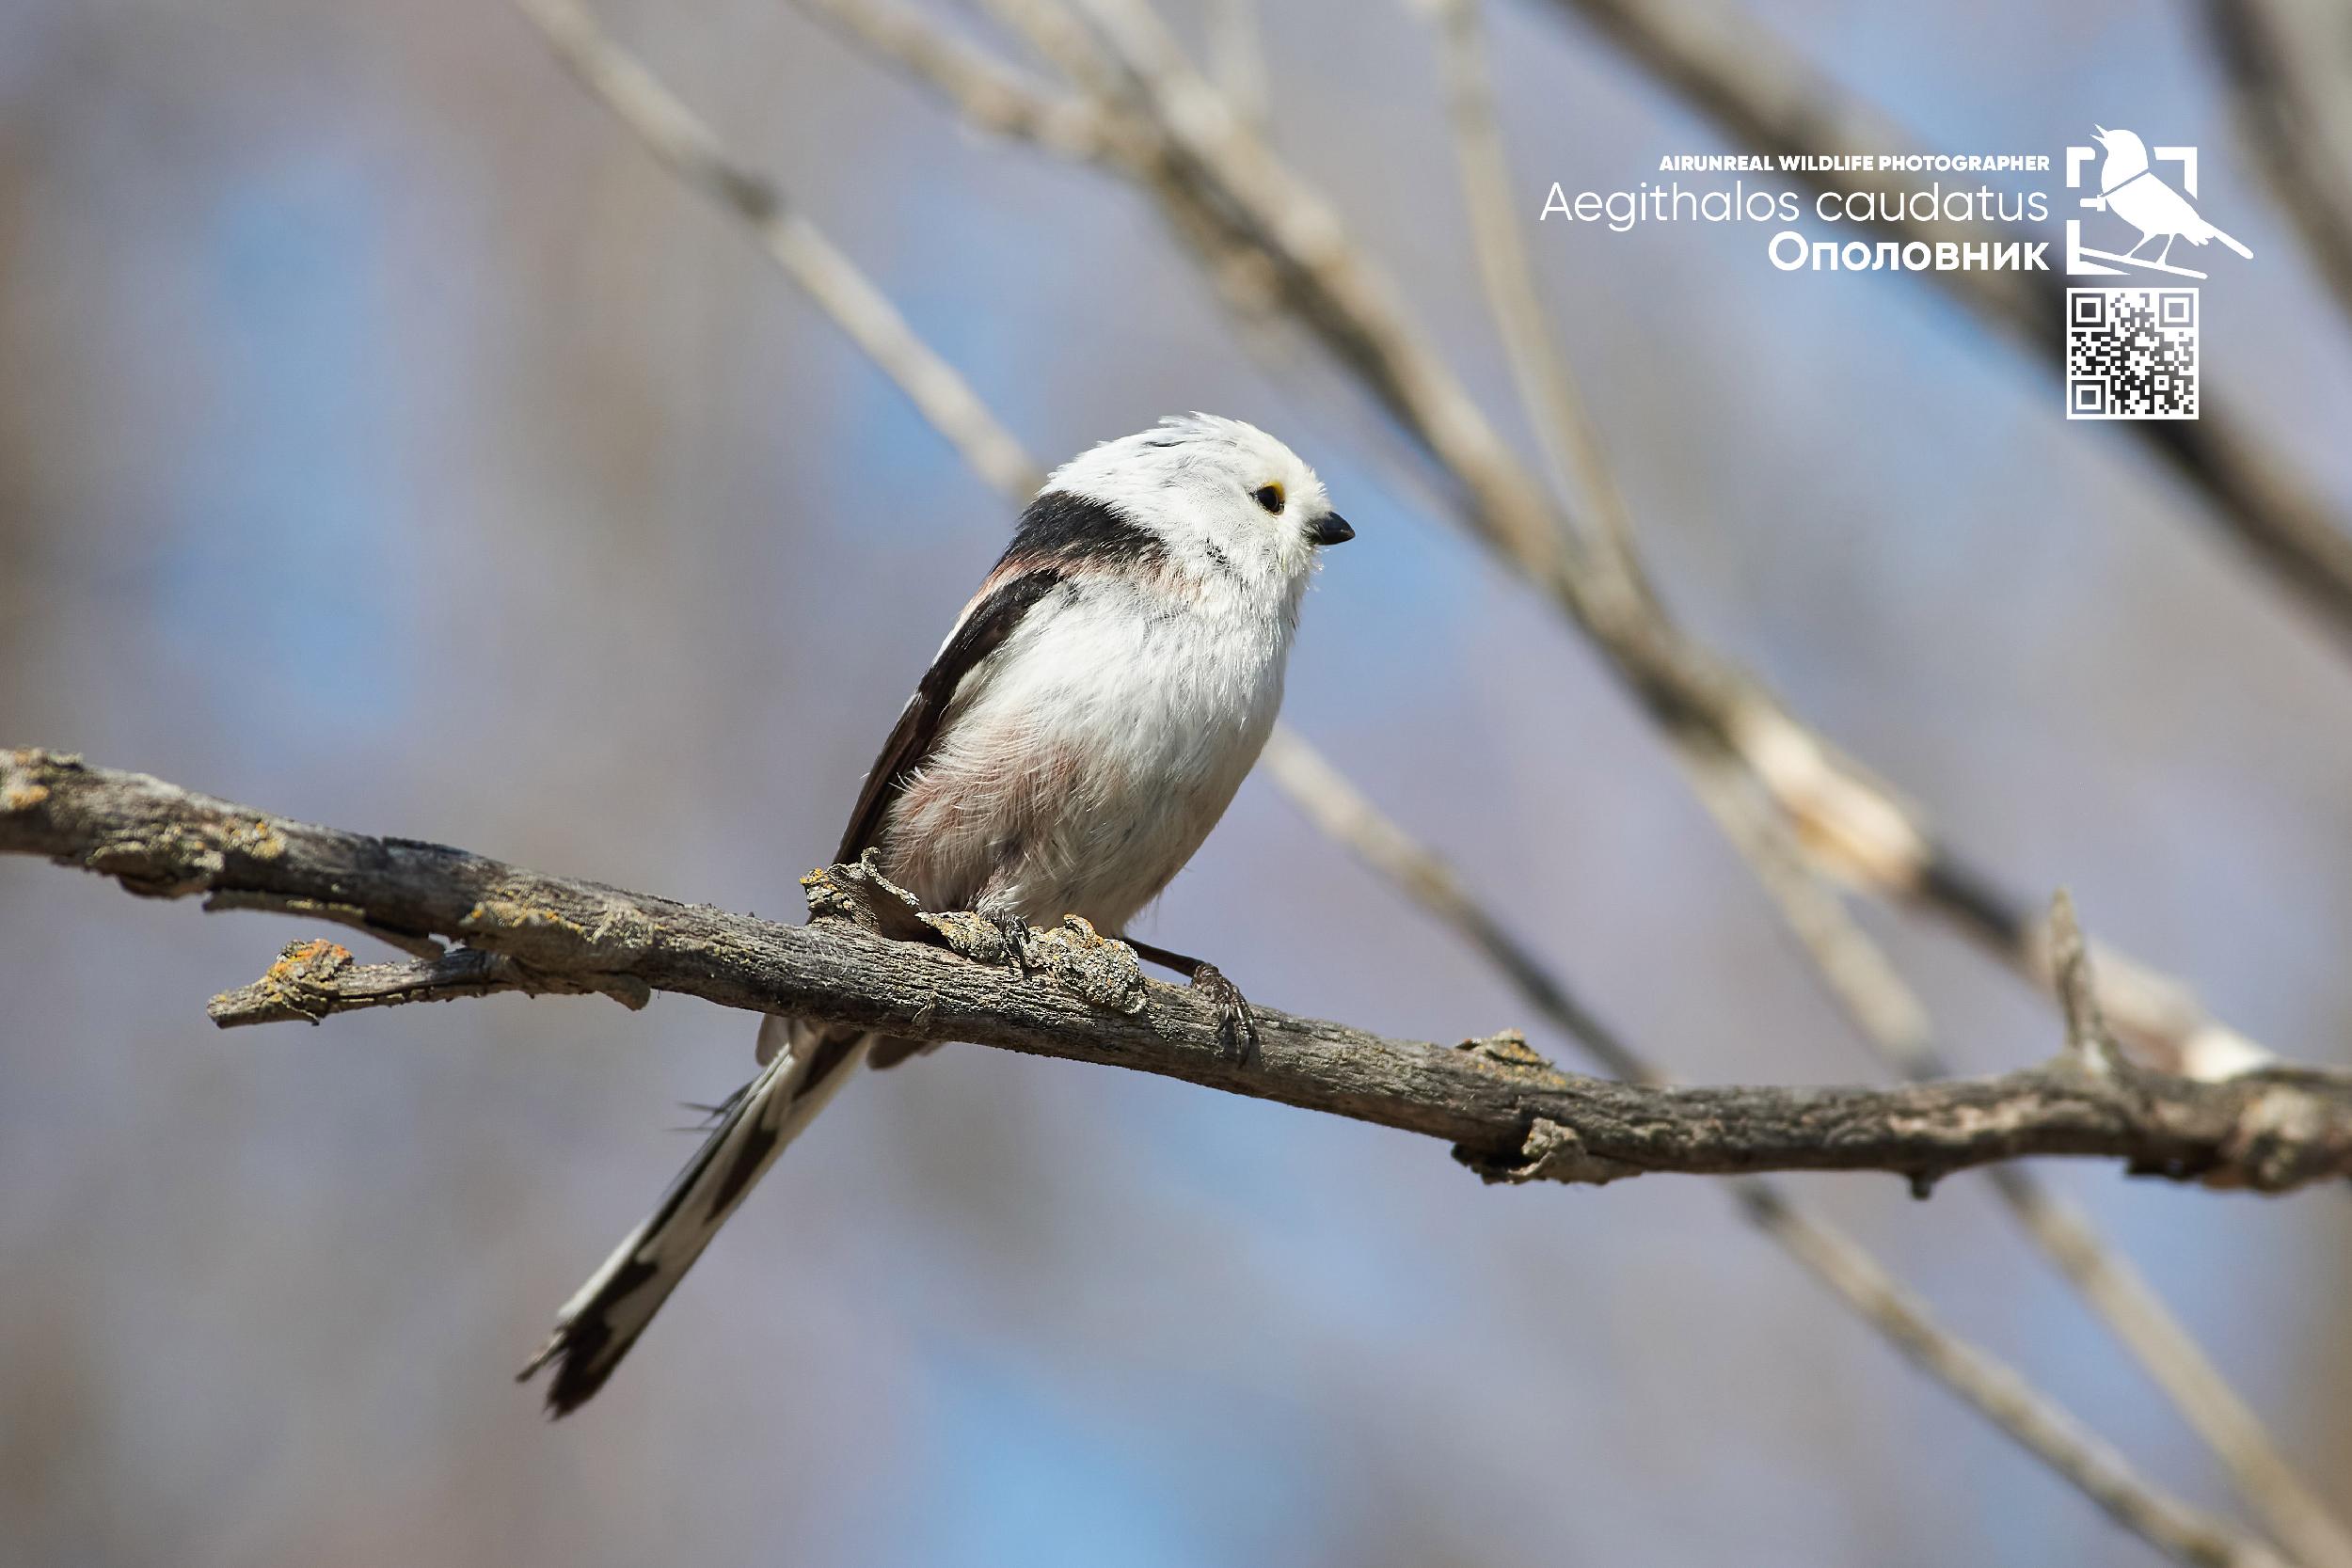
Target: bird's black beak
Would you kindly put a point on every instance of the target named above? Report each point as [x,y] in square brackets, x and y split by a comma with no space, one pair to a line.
[1332,529]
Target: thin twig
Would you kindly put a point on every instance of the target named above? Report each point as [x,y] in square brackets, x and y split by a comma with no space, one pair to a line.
[1859,976]
[1890,1016]
[1560,1004]
[2170,1526]
[1563,424]
[312,980]
[410,943]
[990,96]
[1994,1389]
[687,147]
[1212,175]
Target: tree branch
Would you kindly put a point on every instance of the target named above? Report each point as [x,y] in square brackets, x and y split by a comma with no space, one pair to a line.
[316,978]
[990,96]
[1872,989]
[689,149]
[1859,976]
[1226,194]
[1765,94]
[2288,62]
[1511,1116]
[2107,1281]
[1547,391]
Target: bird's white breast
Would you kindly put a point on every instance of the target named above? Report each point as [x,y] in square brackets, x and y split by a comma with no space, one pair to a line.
[1085,761]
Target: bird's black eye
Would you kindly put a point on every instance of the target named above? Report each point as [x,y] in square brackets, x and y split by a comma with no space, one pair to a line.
[1269,496]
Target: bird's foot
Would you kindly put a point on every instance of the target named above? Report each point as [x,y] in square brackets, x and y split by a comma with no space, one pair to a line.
[997,939]
[1013,932]
[1236,1025]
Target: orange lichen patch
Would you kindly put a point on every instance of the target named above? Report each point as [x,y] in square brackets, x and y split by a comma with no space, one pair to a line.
[541,934]
[301,983]
[170,863]
[1507,1049]
[26,773]
[257,840]
[313,961]
[506,914]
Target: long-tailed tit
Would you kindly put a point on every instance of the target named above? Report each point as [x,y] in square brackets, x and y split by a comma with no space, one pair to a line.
[1081,730]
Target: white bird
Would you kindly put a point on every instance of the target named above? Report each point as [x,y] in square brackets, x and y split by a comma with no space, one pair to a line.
[2133,190]
[1081,730]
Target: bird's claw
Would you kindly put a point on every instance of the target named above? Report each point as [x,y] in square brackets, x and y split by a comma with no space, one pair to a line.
[1014,932]
[1236,1026]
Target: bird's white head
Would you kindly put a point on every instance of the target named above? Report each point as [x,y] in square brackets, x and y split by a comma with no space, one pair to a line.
[2127,156]
[1217,495]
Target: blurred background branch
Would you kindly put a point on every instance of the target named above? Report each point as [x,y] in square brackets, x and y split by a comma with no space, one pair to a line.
[1869,989]
[2290,62]
[1889,1017]
[1214,178]
[1764,93]
[359,387]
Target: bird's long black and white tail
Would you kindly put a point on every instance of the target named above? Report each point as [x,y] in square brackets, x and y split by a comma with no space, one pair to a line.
[804,1065]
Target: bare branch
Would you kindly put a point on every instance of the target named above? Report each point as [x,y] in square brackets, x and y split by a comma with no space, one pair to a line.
[1764,95]
[990,96]
[2119,1294]
[2290,64]
[2172,1527]
[314,979]
[1043,26]
[1859,974]
[1564,425]
[1892,1019]
[690,149]
[410,943]
[1326,797]
[1215,179]
[1511,1116]
[2077,988]
[1236,50]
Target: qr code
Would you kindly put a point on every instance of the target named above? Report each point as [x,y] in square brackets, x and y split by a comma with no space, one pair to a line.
[2131,354]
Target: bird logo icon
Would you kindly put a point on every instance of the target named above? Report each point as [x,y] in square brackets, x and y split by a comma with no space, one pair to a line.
[2130,188]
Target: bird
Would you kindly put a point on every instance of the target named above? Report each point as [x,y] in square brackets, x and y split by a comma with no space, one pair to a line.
[2136,193]
[1079,733]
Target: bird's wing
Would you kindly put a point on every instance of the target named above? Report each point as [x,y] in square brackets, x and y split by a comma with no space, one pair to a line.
[995,612]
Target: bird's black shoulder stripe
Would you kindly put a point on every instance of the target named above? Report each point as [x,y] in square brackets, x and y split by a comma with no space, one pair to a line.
[1062,530]
[1058,534]
[916,733]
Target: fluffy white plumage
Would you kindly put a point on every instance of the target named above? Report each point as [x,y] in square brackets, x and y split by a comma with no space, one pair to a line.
[1082,729]
[1084,762]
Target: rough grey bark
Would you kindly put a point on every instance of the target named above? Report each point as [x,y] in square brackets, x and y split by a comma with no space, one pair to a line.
[871,959]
